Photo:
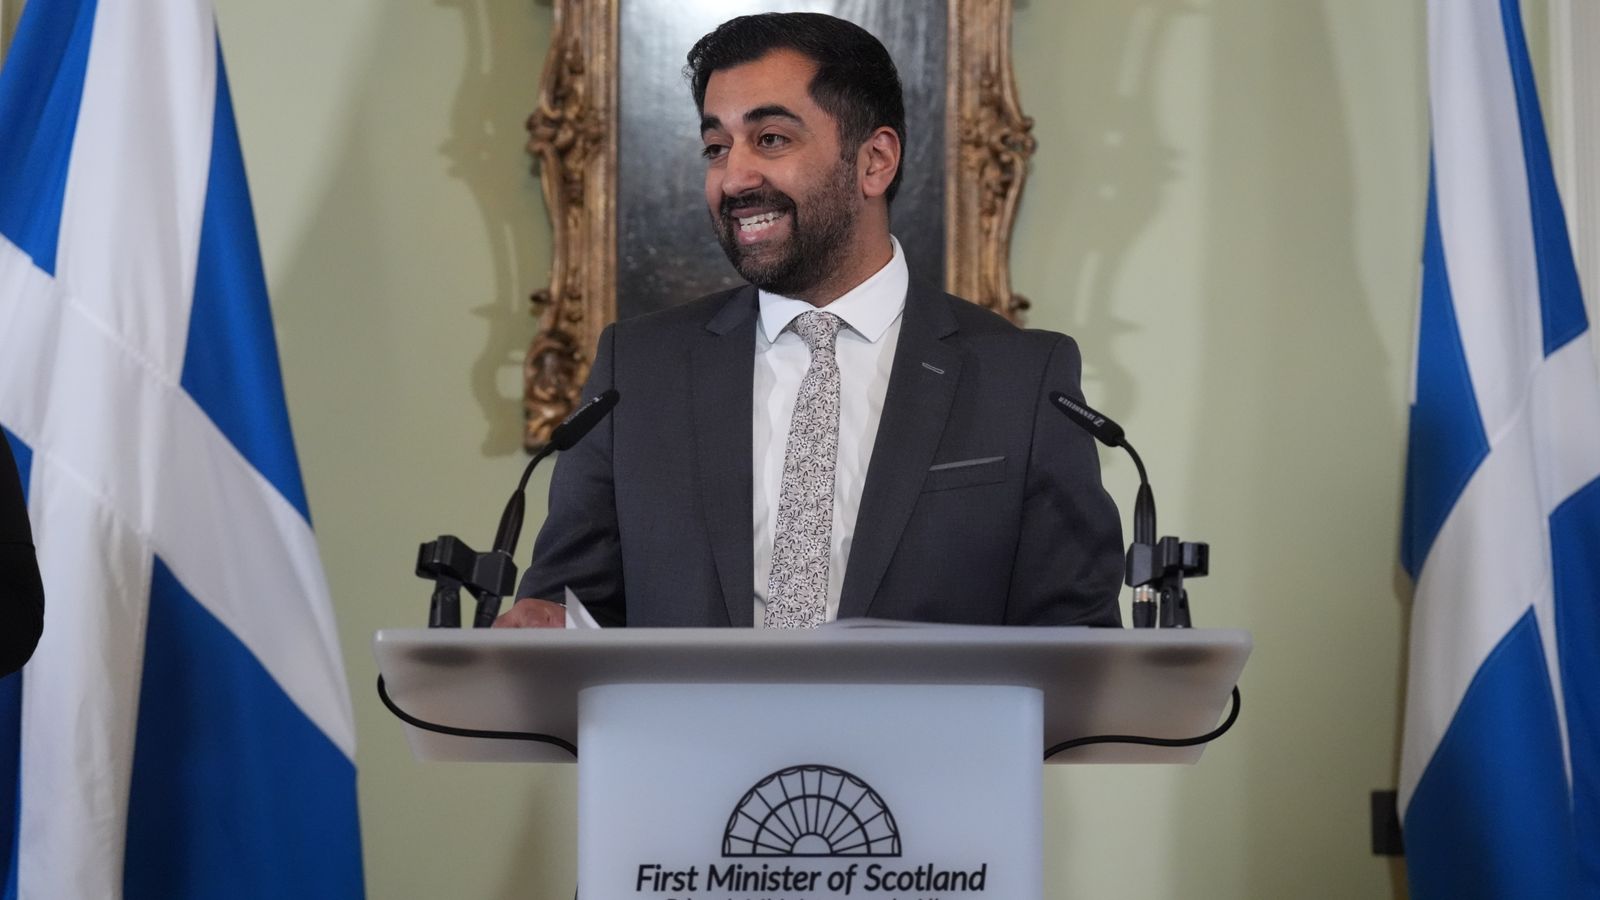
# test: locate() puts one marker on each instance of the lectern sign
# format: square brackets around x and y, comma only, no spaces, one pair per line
[811,811]
[816,831]
[906,808]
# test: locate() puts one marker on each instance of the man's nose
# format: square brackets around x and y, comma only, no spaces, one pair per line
[742,172]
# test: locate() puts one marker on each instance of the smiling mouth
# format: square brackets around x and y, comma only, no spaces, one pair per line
[759,229]
[753,225]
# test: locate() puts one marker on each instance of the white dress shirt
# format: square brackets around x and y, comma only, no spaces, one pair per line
[865,349]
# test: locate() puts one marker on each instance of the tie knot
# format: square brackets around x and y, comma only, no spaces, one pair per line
[818,329]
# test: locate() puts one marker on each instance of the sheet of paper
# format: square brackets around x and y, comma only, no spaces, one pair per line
[577,614]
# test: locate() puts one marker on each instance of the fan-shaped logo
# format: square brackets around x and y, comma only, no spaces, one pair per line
[811,811]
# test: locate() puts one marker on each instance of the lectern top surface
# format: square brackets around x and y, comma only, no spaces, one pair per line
[1161,683]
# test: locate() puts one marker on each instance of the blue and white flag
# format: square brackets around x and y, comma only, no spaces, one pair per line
[184,729]
[1500,772]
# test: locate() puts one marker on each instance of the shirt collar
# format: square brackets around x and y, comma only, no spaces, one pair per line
[869,308]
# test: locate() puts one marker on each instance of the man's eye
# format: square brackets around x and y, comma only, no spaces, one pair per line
[771,140]
[713,151]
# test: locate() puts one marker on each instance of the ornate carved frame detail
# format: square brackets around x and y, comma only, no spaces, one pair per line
[573,137]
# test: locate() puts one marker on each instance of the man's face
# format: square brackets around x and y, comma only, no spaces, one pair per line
[783,200]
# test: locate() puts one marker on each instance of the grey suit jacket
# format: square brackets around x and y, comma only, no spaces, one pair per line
[981,504]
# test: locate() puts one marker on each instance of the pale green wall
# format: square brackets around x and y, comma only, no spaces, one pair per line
[1225,210]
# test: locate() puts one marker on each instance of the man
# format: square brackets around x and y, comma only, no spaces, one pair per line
[833,440]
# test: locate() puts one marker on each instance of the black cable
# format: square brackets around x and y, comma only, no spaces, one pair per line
[402,715]
[1209,736]
[409,719]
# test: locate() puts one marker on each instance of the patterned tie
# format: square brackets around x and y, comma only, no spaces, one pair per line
[797,589]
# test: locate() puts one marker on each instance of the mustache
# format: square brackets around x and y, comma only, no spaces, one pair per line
[775,199]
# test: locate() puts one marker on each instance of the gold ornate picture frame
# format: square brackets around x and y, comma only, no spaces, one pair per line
[10,15]
[573,136]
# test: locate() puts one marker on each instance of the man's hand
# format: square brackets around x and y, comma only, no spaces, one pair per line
[530,612]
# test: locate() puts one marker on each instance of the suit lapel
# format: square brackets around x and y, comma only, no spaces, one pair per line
[722,367]
[922,385]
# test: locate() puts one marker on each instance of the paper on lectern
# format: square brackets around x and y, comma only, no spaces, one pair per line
[578,614]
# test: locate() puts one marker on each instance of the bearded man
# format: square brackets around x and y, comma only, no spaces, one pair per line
[834,439]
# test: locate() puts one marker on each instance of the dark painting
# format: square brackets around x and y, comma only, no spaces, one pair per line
[666,252]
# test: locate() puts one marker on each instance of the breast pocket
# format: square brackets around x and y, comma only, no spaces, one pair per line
[965,473]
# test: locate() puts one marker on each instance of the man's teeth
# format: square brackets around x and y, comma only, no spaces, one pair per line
[752,223]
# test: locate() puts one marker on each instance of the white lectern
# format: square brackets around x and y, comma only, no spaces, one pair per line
[859,760]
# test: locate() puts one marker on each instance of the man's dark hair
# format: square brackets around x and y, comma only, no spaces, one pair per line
[856,81]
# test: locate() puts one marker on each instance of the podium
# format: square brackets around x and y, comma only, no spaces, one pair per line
[863,759]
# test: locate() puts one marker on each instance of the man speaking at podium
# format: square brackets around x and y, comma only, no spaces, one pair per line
[833,439]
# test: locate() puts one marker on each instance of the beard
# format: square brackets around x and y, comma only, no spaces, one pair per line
[820,227]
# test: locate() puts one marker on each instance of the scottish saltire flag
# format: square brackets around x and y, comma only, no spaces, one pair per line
[184,729]
[1500,772]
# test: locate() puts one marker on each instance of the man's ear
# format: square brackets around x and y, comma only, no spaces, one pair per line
[880,160]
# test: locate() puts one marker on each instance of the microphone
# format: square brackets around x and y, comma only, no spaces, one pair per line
[1144,506]
[1107,431]
[1110,434]
[586,417]
[490,576]
[563,437]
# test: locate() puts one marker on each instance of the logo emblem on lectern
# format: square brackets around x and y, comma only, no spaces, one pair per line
[811,811]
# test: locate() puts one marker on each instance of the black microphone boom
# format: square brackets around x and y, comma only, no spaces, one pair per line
[563,437]
[1110,434]
[1153,568]
[492,575]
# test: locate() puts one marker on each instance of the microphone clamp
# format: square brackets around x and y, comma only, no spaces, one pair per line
[1157,571]
[452,565]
